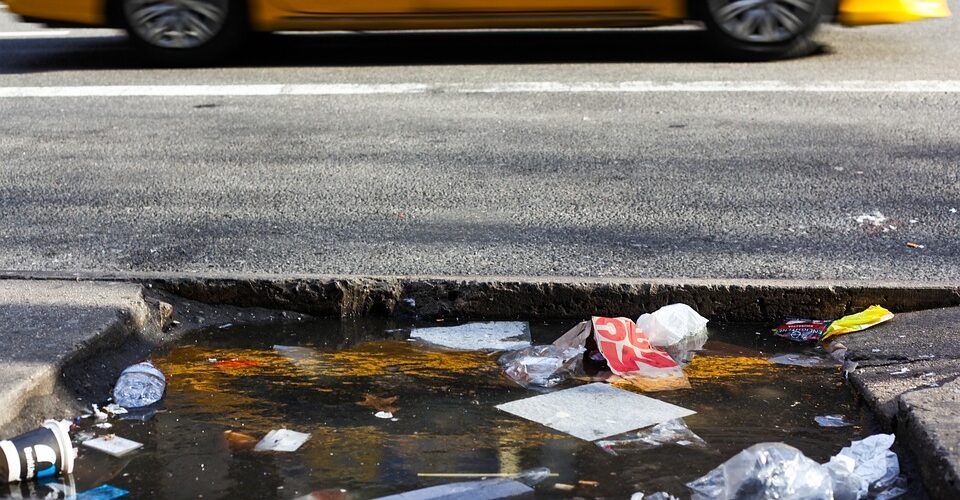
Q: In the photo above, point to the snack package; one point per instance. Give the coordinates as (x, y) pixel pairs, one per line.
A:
(633, 360)
(802, 330)
(873, 315)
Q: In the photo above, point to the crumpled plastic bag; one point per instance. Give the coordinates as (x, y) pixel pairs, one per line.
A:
(684, 351)
(765, 471)
(670, 432)
(865, 466)
(660, 495)
(873, 315)
(775, 470)
(548, 365)
(671, 324)
(541, 365)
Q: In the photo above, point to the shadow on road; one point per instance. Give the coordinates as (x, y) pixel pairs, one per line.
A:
(381, 49)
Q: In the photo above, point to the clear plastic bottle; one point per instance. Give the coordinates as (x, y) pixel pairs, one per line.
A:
(139, 385)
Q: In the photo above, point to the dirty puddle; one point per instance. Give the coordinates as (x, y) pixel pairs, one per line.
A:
(333, 378)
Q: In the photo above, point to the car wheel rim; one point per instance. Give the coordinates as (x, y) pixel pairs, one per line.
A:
(763, 21)
(176, 24)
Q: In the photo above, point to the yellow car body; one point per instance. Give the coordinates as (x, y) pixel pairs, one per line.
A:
(275, 15)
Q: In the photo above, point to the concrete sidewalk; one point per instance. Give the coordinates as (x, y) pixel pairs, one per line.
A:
(907, 374)
(46, 324)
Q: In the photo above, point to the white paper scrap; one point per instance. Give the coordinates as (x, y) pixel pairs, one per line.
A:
(491, 336)
(595, 411)
(282, 440)
(113, 445)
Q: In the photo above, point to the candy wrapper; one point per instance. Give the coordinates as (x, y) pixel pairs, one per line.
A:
(633, 360)
(802, 330)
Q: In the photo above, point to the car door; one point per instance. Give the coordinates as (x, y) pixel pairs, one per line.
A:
(539, 6)
(349, 7)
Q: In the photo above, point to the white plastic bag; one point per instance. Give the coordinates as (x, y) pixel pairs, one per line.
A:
(671, 324)
(765, 471)
(865, 466)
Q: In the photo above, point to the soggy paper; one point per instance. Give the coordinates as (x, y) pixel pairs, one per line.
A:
(490, 336)
(595, 411)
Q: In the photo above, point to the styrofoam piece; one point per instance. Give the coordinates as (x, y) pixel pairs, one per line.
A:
(282, 440)
(113, 445)
(489, 489)
(595, 411)
(489, 336)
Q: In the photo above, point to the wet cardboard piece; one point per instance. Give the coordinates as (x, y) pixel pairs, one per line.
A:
(494, 336)
(595, 411)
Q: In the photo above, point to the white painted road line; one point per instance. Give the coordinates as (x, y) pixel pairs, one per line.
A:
(324, 89)
(6, 35)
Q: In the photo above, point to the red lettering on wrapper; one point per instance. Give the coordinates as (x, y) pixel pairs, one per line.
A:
(626, 348)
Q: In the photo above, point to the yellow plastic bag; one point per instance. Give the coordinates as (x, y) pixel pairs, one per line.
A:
(873, 315)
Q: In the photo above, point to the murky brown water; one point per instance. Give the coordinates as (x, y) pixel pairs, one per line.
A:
(445, 417)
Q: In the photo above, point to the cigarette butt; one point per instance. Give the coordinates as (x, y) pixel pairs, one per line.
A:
(911, 244)
(564, 487)
(584, 482)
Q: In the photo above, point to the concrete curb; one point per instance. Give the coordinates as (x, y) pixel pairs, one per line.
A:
(45, 326)
(907, 374)
(533, 298)
(928, 418)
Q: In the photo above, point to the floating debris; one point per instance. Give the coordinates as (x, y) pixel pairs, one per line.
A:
(492, 336)
(595, 411)
(802, 360)
(380, 404)
(282, 440)
(832, 421)
(113, 445)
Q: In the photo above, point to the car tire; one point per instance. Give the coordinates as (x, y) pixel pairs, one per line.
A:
(764, 29)
(185, 32)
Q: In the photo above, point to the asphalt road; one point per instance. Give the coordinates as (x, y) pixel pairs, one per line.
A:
(573, 181)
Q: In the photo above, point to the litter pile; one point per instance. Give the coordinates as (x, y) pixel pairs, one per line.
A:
(604, 362)
(642, 355)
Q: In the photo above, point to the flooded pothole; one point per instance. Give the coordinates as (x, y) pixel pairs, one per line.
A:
(335, 375)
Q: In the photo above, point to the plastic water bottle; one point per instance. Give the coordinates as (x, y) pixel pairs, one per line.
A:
(139, 385)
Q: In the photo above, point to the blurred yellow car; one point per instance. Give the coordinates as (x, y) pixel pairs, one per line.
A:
(192, 31)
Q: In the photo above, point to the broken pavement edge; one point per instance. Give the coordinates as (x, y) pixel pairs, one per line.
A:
(532, 297)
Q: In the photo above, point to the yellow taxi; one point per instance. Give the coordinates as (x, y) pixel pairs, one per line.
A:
(185, 31)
